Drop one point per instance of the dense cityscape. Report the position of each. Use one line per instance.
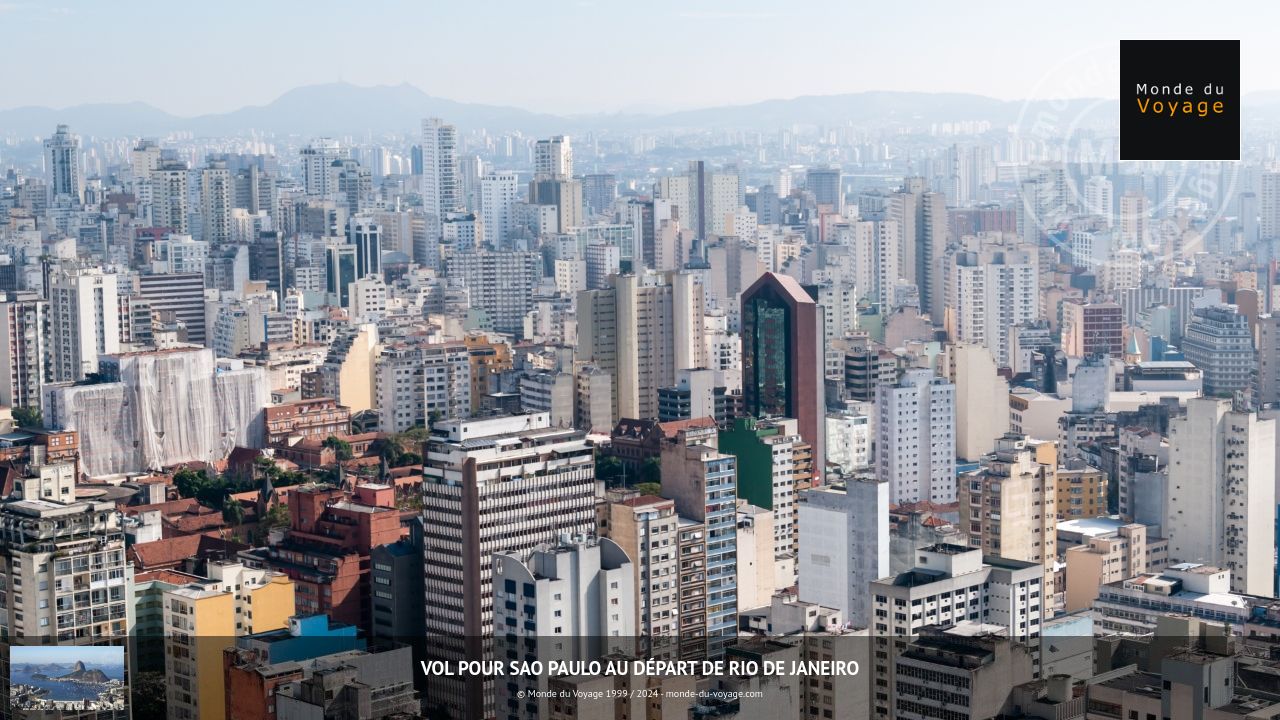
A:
(954, 416)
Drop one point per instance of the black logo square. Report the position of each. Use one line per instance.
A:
(1179, 99)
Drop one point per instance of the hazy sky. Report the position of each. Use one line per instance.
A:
(94, 655)
(576, 56)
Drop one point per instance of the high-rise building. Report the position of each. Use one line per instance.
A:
(340, 272)
(844, 545)
(772, 463)
(948, 585)
(553, 158)
(574, 601)
(1218, 340)
(642, 330)
(1221, 506)
(84, 321)
(170, 204)
(599, 191)
(921, 219)
(317, 160)
(916, 448)
(1129, 551)
(499, 193)
(417, 384)
(499, 283)
(702, 482)
(982, 406)
(824, 184)
(62, 162)
(500, 484)
(1092, 328)
(24, 341)
(366, 236)
(440, 192)
(1099, 198)
(1266, 388)
(217, 197)
(646, 527)
(1269, 207)
(1008, 506)
(993, 287)
(782, 357)
(177, 297)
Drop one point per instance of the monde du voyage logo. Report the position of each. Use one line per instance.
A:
(1179, 99)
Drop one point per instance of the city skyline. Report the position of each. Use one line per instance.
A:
(713, 37)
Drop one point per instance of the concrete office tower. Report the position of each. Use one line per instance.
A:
(1221, 505)
(1266, 384)
(440, 193)
(24, 348)
(922, 231)
(844, 545)
(317, 166)
(499, 192)
(579, 592)
(1218, 340)
(217, 196)
(783, 357)
(948, 585)
(824, 183)
(1008, 506)
(993, 287)
(916, 452)
(702, 481)
(177, 297)
(165, 407)
(642, 330)
(1092, 328)
(507, 483)
(553, 157)
(366, 236)
(84, 321)
(340, 272)
(1269, 207)
(1099, 198)
(602, 261)
(599, 191)
(500, 284)
(62, 162)
(982, 406)
(170, 204)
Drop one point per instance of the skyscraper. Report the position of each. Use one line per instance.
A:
(217, 196)
(824, 183)
(84, 321)
(500, 484)
(922, 230)
(169, 202)
(439, 173)
(366, 236)
(1219, 342)
(62, 160)
(642, 330)
(553, 158)
(317, 166)
(24, 318)
(782, 357)
(498, 195)
(916, 450)
(1221, 506)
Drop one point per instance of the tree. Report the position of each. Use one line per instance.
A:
(609, 469)
(651, 471)
(648, 488)
(147, 694)
(277, 516)
(30, 417)
(341, 448)
(233, 512)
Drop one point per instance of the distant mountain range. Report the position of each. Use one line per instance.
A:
(345, 109)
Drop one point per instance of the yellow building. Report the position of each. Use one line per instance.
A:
(1082, 493)
(203, 618)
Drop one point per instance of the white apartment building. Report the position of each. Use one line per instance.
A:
(916, 451)
(844, 545)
